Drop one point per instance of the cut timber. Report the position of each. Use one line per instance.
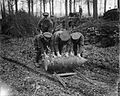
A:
(63, 64)
(66, 74)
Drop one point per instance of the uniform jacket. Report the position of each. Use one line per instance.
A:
(45, 25)
(59, 44)
(41, 43)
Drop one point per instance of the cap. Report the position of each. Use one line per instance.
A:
(45, 14)
(64, 36)
(76, 35)
(47, 34)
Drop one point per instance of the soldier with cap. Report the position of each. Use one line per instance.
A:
(45, 24)
(43, 44)
(61, 39)
(77, 40)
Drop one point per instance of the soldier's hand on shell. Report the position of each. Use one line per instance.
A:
(46, 56)
(78, 55)
(71, 54)
(53, 55)
(58, 54)
(66, 54)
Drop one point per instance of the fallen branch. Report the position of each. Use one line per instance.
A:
(60, 80)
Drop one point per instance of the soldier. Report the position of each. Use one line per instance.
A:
(77, 40)
(43, 44)
(45, 24)
(80, 11)
(61, 39)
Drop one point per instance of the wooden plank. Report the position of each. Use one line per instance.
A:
(66, 74)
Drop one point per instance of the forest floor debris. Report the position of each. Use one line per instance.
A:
(27, 83)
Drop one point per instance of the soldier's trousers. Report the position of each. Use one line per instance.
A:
(38, 55)
(75, 49)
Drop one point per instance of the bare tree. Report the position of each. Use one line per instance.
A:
(28, 7)
(118, 1)
(16, 5)
(9, 7)
(74, 5)
(40, 8)
(3, 10)
(88, 7)
(70, 6)
(32, 5)
(52, 7)
(105, 2)
(95, 14)
(44, 5)
(66, 14)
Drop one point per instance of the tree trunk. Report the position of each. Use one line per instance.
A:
(40, 8)
(52, 7)
(32, 6)
(74, 5)
(43, 5)
(70, 6)
(88, 6)
(66, 14)
(95, 15)
(3, 10)
(29, 7)
(9, 7)
(105, 1)
(1, 6)
(16, 6)
(118, 4)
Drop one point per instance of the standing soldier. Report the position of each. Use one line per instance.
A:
(61, 39)
(80, 11)
(77, 40)
(45, 24)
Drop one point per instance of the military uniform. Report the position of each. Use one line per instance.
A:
(77, 40)
(61, 40)
(80, 11)
(45, 24)
(43, 44)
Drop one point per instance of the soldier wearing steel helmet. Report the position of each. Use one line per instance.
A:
(77, 40)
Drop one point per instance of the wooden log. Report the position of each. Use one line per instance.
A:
(63, 64)
(66, 74)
